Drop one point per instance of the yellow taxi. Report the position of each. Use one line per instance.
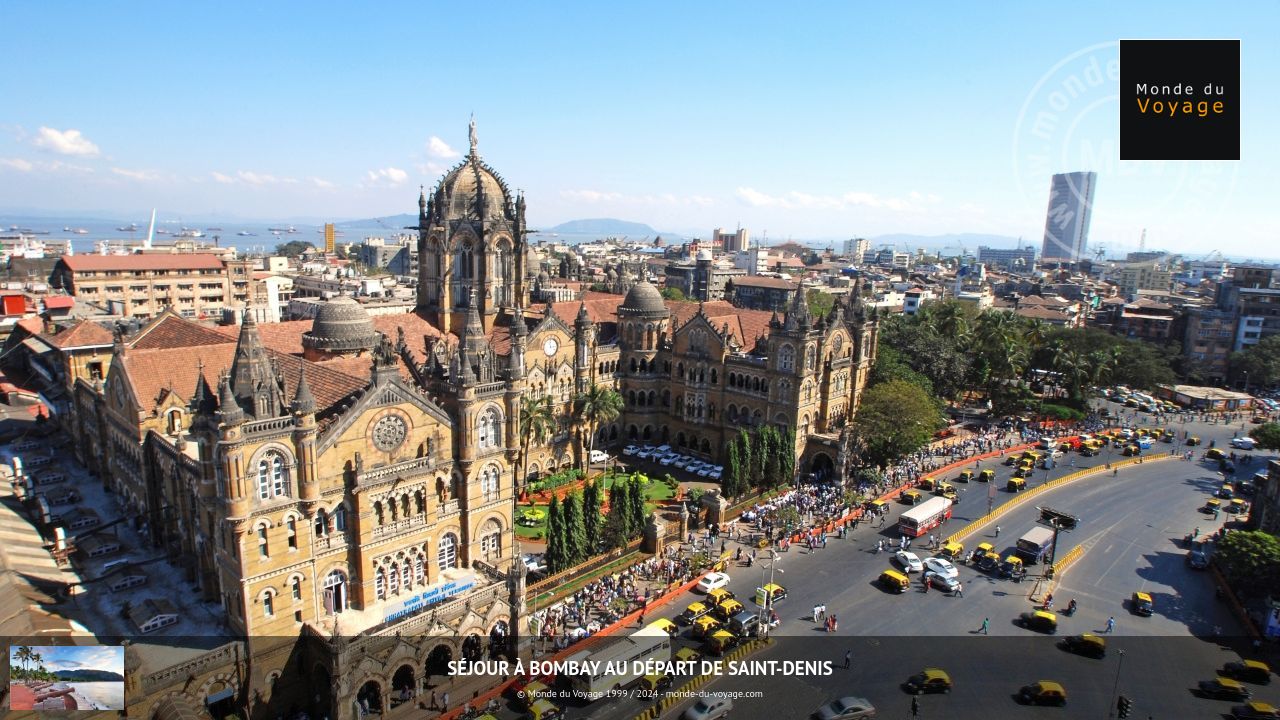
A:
(703, 626)
(545, 710)
(1192, 441)
(926, 484)
(1011, 566)
(717, 596)
(1086, 644)
(665, 626)
(1022, 473)
(912, 497)
(728, 609)
(695, 611)
(654, 683)
(721, 641)
(1131, 450)
(894, 581)
(986, 476)
(533, 692)
(1238, 506)
(1045, 692)
(1212, 505)
(964, 476)
(687, 654)
(929, 680)
(770, 593)
(1015, 484)
(947, 491)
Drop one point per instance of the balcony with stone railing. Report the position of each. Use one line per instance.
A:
(271, 425)
(404, 469)
(397, 527)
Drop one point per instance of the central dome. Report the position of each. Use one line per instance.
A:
(644, 297)
(341, 326)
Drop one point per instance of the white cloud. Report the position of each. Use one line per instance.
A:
(224, 179)
(431, 169)
(390, 175)
(65, 142)
(796, 200)
(259, 179)
(16, 164)
(322, 184)
(660, 199)
(438, 148)
(136, 174)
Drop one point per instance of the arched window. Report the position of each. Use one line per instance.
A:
(322, 523)
(466, 268)
(393, 580)
(269, 603)
(340, 518)
(263, 549)
(296, 586)
(810, 357)
(380, 584)
(419, 570)
(491, 540)
(273, 481)
(489, 429)
(175, 421)
(786, 358)
(489, 483)
(291, 531)
(713, 376)
(335, 591)
(447, 553)
(406, 573)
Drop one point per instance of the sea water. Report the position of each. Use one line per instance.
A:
(105, 695)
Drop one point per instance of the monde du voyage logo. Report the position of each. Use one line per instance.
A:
(1179, 99)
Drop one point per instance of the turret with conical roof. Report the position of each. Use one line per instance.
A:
(254, 379)
(229, 412)
(304, 403)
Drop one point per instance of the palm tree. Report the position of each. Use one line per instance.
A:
(597, 405)
(24, 655)
(537, 423)
(949, 320)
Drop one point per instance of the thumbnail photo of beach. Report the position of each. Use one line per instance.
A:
(66, 677)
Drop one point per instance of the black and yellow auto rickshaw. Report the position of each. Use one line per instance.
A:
(894, 581)
(531, 693)
(1237, 506)
(911, 497)
(717, 596)
(720, 642)
(655, 683)
(666, 626)
(952, 550)
(728, 609)
(964, 476)
(545, 710)
(1023, 472)
(1012, 567)
(695, 611)
(1016, 484)
(770, 594)
(1212, 506)
(1087, 644)
(989, 562)
(987, 475)
(948, 491)
(1142, 604)
(926, 484)
(1193, 441)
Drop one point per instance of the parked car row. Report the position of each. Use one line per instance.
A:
(665, 456)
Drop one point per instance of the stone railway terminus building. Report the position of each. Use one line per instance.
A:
(344, 487)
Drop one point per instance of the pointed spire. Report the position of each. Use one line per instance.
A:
(203, 399)
(254, 379)
(422, 201)
(229, 411)
(518, 327)
(474, 326)
(798, 317)
(583, 318)
(304, 403)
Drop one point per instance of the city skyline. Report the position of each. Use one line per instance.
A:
(840, 122)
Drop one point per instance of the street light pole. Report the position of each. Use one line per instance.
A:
(767, 605)
(1115, 689)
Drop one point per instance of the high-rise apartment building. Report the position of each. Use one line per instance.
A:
(731, 242)
(1066, 225)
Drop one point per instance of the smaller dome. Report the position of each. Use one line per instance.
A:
(644, 297)
(341, 325)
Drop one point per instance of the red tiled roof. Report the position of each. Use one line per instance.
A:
(33, 325)
(83, 334)
(153, 371)
(59, 302)
(762, 281)
(285, 337)
(150, 261)
(744, 325)
(601, 308)
(169, 330)
(1040, 312)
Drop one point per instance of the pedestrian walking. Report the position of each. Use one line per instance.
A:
(816, 610)
(1111, 624)
(959, 589)
(997, 531)
(433, 700)
(915, 707)
(986, 626)
(848, 658)
(444, 702)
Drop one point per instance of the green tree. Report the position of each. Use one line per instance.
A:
(617, 530)
(557, 553)
(746, 457)
(894, 420)
(592, 520)
(731, 478)
(787, 457)
(293, 248)
(889, 365)
(1250, 561)
(1267, 435)
(773, 457)
(673, 293)
(598, 405)
(537, 424)
(1259, 364)
(635, 508)
(575, 529)
(820, 303)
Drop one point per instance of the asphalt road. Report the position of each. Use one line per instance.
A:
(1131, 528)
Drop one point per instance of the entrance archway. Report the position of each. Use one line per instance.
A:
(472, 648)
(370, 697)
(438, 660)
(822, 467)
(498, 639)
(403, 685)
(220, 700)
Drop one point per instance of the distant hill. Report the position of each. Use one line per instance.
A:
(970, 241)
(89, 675)
(393, 221)
(602, 226)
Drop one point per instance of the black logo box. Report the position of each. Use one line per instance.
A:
(1158, 78)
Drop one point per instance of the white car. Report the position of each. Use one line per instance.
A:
(846, 708)
(630, 450)
(713, 581)
(664, 449)
(644, 453)
(695, 466)
(909, 561)
(668, 459)
(599, 456)
(941, 566)
(709, 708)
(715, 474)
(680, 461)
(706, 471)
(1243, 443)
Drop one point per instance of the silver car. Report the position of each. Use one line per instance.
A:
(846, 708)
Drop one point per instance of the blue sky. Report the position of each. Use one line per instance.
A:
(804, 120)
(88, 657)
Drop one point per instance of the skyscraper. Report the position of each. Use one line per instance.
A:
(1066, 226)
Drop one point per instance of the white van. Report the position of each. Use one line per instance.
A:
(599, 456)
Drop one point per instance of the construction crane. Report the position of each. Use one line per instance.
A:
(1100, 253)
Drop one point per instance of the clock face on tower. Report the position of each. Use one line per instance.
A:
(550, 346)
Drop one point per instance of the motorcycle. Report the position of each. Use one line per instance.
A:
(1071, 609)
